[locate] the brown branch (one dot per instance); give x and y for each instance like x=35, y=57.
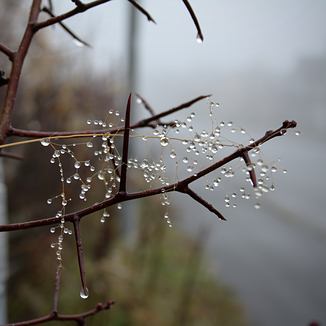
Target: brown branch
x=77, y=318
x=77, y=10
x=146, y=105
x=141, y=124
x=194, y=18
x=250, y=167
x=17, y=65
x=145, y=122
x=80, y=254
x=56, y=292
x=9, y=53
x=142, y=10
x=48, y=11
x=178, y=186
x=200, y=200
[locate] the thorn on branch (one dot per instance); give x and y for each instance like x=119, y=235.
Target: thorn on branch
x=200, y=200
x=142, y=10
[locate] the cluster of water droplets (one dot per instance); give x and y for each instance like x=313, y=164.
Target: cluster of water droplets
x=202, y=148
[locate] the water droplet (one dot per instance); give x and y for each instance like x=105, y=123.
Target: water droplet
x=53, y=245
x=101, y=175
x=89, y=144
x=49, y=201
x=119, y=206
x=155, y=132
x=52, y=230
x=173, y=154
x=164, y=141
x=190, y=168
x=84, y=294
x=257, y=205
x=45, y=142
x=102, y=220
x=185, y=160
x=76, y=176
x=199, y=38
x=285, y=171
x=77, y=165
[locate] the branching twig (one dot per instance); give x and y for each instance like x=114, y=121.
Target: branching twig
x=142, y=10
x=180, y=186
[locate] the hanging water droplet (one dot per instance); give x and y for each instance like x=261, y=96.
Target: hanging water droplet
x=52, y=230
x=45, y=142
x=49, y=201
x=78, y=43
x=199, y=38
x=84, y=294
x=285, y=171
x=77, y=165
x=257, y=205
x=53, y=245
x=164, y=141
x=119, y=206
x=173, y=154
x=102, y=220
x=101, y=175
x=89, y=144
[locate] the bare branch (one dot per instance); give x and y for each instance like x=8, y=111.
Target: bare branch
x=79, y=244
x=9, y=53
x=145, y=122
x=69, y=14
x=48, y=11
x=194, y=18
x=200, y=200
x=142, y=10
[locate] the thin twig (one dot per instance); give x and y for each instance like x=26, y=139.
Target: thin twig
x=142, y=10
x=48, y=11
x=9, y=53
x=80, y=253
x=194, y=18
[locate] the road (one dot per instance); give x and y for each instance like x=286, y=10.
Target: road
x=274, y=258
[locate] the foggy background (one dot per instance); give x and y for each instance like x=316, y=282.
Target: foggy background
x=264, y=62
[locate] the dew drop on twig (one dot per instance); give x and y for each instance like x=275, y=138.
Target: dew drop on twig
x=84, y=294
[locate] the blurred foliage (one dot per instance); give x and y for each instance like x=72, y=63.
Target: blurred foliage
x=160, y=279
